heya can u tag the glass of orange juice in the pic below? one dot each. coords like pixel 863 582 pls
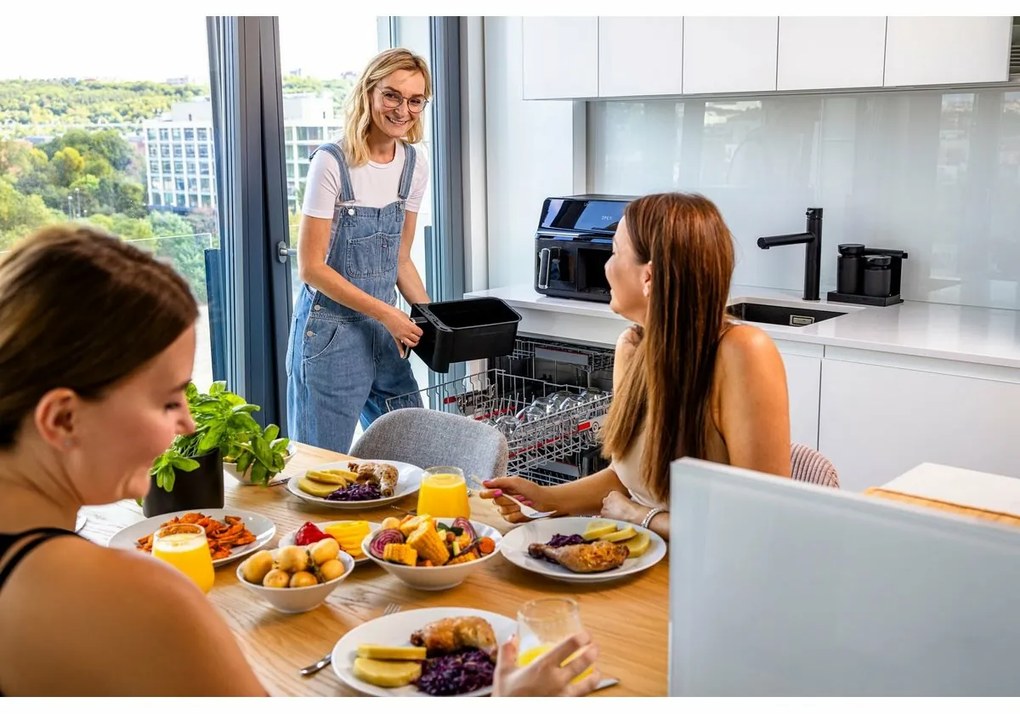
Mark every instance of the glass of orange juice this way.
pixel 183 545
pixel 542 624
pixel 443 493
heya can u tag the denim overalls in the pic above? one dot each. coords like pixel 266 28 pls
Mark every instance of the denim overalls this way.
pixel 341 363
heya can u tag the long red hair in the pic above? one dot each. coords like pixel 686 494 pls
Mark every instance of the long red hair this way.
pixel 667 386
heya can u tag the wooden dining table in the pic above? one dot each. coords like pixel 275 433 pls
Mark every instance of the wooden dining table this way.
pixel 628 617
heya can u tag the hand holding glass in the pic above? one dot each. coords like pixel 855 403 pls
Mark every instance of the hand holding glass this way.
pixel 542 624
pixel 184 546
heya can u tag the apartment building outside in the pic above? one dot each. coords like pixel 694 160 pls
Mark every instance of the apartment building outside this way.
pixel 180 157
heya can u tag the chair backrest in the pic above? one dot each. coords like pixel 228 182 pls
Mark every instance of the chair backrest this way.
pixel 780 588
pixel 808 465
pixel 426 437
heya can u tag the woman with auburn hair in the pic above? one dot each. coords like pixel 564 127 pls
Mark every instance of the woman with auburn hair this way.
pixel 97 344
pixel 686 380
pixel 348 338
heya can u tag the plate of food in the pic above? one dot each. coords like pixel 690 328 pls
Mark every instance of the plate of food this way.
pixel 356 484
pixel 583 550
pixel 231 532
pixel 435 651
pixel 349 534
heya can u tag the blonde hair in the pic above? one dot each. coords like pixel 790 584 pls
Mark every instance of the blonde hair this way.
pixel 359 103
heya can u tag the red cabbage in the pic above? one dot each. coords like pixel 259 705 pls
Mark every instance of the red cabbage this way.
pixel 379 541
pixel 458 673
pixel 559 540
pixel 356 492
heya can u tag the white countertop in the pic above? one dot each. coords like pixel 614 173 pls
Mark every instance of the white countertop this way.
pixel 968 334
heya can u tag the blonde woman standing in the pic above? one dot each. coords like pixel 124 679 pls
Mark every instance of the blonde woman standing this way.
pixel 348 338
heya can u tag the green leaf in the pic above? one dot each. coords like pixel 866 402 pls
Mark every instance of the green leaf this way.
pixel 271 432
pixel 259 474
pixel 244 461
pixel 262 451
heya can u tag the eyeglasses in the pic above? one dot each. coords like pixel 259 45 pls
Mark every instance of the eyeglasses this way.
pixel 392 100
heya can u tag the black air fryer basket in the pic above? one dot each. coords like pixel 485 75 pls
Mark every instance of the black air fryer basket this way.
pixel 462 330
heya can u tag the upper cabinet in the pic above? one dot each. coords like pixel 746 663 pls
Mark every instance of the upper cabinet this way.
pixel 591 57
pixel 947 50
pixel 640 56
pixel 730 54
pixel 830 52
pixel 561 57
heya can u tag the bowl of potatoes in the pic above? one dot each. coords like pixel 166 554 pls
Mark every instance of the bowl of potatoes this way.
pixel 296 578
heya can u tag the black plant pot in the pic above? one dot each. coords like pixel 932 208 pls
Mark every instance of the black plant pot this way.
pixel 193 490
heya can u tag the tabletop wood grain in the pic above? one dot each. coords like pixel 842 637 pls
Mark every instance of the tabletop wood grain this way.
pixel 628 618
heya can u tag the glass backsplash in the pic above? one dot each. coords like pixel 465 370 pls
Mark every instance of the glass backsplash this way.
pixel 932 172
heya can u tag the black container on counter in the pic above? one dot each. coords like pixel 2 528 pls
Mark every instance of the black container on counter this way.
pixel 849 267
pixel 878 276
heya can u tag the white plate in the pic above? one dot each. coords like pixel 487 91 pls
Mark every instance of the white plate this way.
pixel 289 537
pixel 261 527
pixel 408 482
pixel 516 542
pixel 396 629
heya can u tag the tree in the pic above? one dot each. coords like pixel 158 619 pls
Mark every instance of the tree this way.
pixel 66 165
pixel 184 248
pixel 20 214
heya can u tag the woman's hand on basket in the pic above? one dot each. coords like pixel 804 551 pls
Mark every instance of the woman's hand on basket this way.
pixel 528 492
pixel 404 331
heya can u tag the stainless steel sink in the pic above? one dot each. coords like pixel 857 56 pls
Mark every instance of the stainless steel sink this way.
pixel 775 314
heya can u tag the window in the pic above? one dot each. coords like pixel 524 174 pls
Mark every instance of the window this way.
pixel 117 176
pixel 179 167
pixel 203 134
pixel 203 151
pixel 189 151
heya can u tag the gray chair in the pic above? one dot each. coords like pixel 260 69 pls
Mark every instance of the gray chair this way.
pixel 808 465
pixel 426 437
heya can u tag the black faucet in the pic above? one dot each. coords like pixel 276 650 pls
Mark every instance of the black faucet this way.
pixel 812 239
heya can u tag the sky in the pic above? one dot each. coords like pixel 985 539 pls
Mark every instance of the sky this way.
pixel 148 42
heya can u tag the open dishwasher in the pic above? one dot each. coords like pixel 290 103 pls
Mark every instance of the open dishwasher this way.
pixel 549 400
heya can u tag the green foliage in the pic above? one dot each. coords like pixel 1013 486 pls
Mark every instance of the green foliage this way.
pixel 20 215
pixel 223 421
pixel 69 102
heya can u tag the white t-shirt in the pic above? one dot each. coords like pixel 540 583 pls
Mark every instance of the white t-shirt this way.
pixel 375 185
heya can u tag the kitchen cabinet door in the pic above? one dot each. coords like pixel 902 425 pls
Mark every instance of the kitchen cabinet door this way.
pixel 730 54
pixel 640 56
pixel 877 422
pixel 830 52
pixel 803 364
pixel 560 57
pixel 947 50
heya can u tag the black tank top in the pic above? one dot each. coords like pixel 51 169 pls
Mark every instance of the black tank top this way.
pixel 33 537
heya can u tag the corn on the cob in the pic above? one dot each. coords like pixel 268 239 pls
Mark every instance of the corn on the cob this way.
pixel 464 558
pixel 427 541
pixel 400 553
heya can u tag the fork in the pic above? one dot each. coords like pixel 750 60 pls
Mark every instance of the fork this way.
pixel 390 609
pixel 526 511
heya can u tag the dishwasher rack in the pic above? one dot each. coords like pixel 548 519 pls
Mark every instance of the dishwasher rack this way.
pixel 538 437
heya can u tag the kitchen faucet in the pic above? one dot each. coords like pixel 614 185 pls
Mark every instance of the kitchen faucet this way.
pixel 812 239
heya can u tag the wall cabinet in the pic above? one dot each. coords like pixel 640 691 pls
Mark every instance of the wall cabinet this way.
pixel 879 421
pixel 730 54
pixel 640 56
pixel 947 50
pixel 589 57
pixel 560 57
pixel 830 52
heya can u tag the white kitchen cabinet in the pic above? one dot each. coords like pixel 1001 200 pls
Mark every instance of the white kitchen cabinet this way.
pixel 830 52
pixel 947 50
pixel 730 54
pixel 560 57
pixel 803 364
pixel 878 421
pixel 640 56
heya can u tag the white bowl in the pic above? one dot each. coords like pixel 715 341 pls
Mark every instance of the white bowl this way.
pixel 292 600
pixel 245 478
pixel 441 577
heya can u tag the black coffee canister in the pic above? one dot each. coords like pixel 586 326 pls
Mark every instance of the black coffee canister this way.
pixel 849 266
pixel 878 276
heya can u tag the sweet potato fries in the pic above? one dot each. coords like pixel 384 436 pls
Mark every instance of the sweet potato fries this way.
pixel 221 536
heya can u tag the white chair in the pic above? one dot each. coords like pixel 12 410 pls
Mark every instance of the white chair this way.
pixel 809 466
pixel 426 437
